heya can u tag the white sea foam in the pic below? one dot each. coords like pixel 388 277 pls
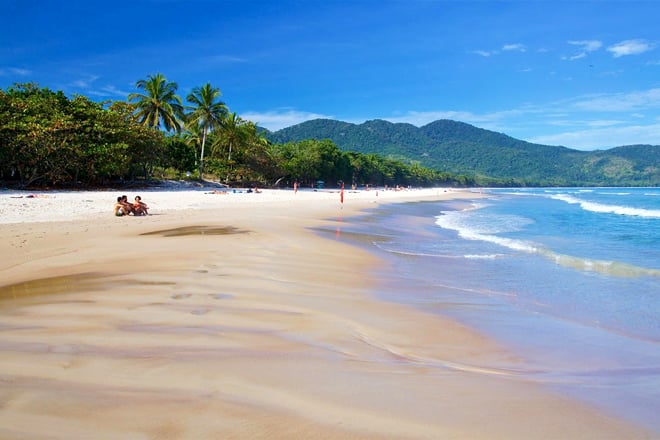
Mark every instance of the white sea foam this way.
pixel 611 268
pixel 473 226
pixel 608 209
pixel 482 256
pixel 485 227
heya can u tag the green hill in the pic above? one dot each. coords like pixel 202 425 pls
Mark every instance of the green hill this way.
pixel 461 148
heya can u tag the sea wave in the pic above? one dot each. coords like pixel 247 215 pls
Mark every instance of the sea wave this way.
pixel 482 256
pixel 415 253
pixel 608 209
pixel 605 267
pixel 466 229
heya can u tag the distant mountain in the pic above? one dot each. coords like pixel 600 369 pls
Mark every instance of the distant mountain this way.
pixel 462 148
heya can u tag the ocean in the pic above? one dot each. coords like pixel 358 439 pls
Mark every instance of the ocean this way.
pixel 567 278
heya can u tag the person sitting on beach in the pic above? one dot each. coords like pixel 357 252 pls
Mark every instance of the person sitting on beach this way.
pixel 128 208
pixel 139 207
pixel 119 208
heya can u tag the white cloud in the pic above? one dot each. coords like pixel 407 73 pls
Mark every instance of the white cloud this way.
pixel 84 83
pixel 507 48
pixel 224 59
pixel 575 57
pixel 630 47
pixel 419 119
pixel 514 47
pixel 487 120
pixel 277 119
pixel 108 91
pixel 483 53
pixel 14 71
pixel 621 102
pixel 599 138
pixel 585 47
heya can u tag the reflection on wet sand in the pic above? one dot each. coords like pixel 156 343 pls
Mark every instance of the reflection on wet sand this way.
pixel 53 285
pixel 74 283
pixel 197 230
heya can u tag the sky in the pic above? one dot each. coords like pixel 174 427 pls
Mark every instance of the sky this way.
pixel 581 74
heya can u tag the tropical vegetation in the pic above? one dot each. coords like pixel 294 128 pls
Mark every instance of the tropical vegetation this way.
pixel 50 140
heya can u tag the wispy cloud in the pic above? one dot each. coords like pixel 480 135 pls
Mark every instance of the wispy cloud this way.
pixel 108 91
pixel 84 83
pixel 584 46
pixel 603 137
pixel 14 71
pixel 224 59
pixel 630 47
pixel 88 85
pixel 516 47
pixel 484 53
pixel 620 102
pixel 486 120
pixel 277 119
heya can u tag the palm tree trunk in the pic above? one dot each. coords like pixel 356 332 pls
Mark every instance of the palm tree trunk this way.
pixel 229 160
pixel 201 156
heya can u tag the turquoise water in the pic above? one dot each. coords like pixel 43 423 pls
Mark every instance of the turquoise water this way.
pixel 568 279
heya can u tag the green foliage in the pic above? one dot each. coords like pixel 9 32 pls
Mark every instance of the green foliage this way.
pixel 310 160
pixel 181 156
pixel 206 113
pixel 48 139
pixel 491 158
pixel 158 103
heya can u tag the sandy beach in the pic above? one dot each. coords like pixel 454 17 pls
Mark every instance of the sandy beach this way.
pixel 227 316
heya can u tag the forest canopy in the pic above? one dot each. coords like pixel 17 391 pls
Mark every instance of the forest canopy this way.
pixel 50 140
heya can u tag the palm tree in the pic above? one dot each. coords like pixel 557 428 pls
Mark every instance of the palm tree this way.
pixel 233 132
pixel 207 112
pixel 159 103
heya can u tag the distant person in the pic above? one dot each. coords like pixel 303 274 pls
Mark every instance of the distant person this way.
pixel 139 207
pixel 119 209
pixel 128 208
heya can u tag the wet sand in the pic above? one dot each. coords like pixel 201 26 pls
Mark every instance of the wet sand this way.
pixel 240 322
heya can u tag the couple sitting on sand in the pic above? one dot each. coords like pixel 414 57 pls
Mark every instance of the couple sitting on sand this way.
pixel 123 207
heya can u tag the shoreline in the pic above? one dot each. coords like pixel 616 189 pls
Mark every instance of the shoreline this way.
pixel 263 331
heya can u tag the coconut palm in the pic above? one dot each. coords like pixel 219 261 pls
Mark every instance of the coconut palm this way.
pixel 158 104
pixel 206 112
pixel 233 131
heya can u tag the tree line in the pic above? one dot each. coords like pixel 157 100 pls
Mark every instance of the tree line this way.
pixel 50 140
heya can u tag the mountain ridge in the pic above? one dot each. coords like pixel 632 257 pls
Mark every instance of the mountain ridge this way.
pixel 461 148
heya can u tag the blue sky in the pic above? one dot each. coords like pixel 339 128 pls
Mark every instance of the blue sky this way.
pixel 580 74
